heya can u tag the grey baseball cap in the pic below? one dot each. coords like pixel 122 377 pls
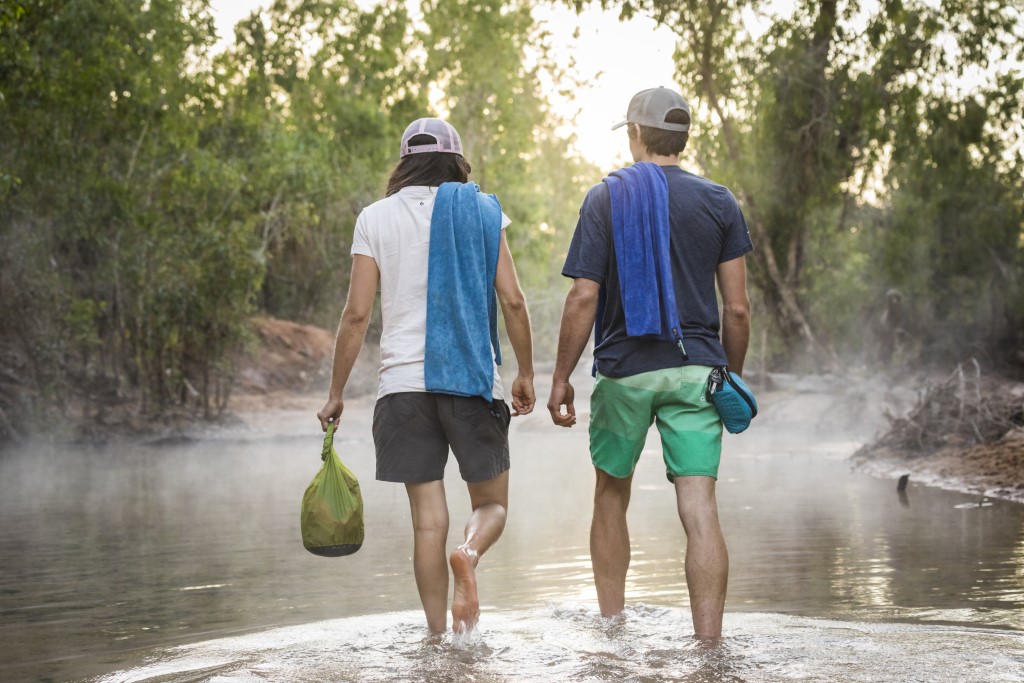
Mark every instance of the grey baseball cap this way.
pixel 446 138
pixel 650 107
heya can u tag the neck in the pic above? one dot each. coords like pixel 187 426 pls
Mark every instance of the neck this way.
pixel 659 159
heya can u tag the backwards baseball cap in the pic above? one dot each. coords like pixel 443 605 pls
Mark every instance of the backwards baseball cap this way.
pixel 650 108
pixel 446 138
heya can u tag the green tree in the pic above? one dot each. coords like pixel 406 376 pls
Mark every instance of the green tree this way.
pixel 803 122
pixel 124 278
pixel 952 241
pixel 315 128
pixel 488 60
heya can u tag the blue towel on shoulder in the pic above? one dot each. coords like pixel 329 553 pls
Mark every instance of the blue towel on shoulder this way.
pixel 462 309
pixel 640 234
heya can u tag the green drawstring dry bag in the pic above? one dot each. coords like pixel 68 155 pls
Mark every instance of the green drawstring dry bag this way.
pixel 332 507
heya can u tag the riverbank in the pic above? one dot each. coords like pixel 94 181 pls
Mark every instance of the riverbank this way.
pixel 899 428
pixel 965 432
pixel 291 362
pixel 989 470
pixel 289 369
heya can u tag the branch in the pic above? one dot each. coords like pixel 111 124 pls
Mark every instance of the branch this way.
pixel 135 153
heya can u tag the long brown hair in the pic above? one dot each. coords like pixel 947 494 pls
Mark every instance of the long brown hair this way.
pixel 428 168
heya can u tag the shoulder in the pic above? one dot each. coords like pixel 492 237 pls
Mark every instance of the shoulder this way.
pixel 702 184
pixel 490 209
pixel 718 190
pixel 597 197
pixel 492 205
pixel 381 207
pixel 714 194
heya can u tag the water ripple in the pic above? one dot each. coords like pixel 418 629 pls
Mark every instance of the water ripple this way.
pixel 573 643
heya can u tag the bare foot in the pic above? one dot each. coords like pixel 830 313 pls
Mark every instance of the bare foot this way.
pixel 465 604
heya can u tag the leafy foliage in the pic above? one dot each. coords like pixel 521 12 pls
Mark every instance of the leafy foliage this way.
pixel 875 148
pixel 155 193
pixel 487 58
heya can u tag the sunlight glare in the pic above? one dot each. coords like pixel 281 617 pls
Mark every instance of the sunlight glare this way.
pixel 641 57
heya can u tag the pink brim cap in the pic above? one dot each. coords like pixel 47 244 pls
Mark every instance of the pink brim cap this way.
pixel 446 138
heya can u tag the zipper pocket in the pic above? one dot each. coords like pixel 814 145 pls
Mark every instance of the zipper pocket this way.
pixel 742 394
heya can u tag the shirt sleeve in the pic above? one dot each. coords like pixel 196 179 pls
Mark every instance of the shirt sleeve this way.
pixel 361 238
pixel 505 221
pixel 737 235
pixel 590 247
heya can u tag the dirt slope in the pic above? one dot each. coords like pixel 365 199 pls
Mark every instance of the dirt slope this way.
pixel 291 362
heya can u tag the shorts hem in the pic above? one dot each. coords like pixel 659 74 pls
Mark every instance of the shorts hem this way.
pixel 400 478
pixel 713 475
pixel 497 474
pixel 612 474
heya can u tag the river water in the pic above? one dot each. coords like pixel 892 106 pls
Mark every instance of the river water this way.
pixel 182 561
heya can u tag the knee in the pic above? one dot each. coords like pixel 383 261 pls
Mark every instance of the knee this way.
pixel 699 518
pixel 697 504
pixel 434 525
pixel 612 492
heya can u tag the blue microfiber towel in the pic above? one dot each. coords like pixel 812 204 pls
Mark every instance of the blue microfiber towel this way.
pixel 640 233
pixel 465 232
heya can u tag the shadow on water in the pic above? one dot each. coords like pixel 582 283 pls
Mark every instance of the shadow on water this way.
pixel 184 562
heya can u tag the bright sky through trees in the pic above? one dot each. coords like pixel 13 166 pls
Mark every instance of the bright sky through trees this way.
pixel 613 60
pixel 153 202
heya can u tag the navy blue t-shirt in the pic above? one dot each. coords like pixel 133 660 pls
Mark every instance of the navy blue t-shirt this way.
pixel 706 227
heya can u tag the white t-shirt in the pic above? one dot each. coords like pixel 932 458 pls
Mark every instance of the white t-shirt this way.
pixel 395 232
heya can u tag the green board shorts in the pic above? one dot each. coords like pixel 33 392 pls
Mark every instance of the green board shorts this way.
pixel 622 410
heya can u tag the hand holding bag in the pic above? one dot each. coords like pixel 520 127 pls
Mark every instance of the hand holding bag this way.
pixel 332 508
pixel 735 402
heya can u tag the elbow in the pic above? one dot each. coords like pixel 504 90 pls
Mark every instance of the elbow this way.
pixel 583 297
pixel 737 311
pixel 355 317
pixel 514 303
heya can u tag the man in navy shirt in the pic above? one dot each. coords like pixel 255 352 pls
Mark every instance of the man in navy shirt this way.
pixel 645 379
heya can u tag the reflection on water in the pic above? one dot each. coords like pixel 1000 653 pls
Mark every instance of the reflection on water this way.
pixel 109 556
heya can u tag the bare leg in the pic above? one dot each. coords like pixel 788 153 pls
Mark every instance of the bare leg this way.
pixel 430 527
pixel 609 541
pixel 490 504
pixel 707 558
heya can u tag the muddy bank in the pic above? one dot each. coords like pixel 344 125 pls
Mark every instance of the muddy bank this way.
pixel 289 363
pixel 964 432
pixel 283 366
pixel 990 470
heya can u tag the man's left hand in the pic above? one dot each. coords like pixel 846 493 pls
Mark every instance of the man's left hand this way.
pixel 562 394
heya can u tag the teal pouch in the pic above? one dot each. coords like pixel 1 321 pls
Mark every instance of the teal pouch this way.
pixel 732 398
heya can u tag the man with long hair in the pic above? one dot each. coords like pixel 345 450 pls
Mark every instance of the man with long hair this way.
pixel 436 246
pixel 650 244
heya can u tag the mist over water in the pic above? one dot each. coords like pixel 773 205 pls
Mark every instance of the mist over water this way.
pixel 183 561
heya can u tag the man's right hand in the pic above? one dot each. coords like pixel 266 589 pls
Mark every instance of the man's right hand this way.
pixel 562 394
pixel 331 411
pixel 523 396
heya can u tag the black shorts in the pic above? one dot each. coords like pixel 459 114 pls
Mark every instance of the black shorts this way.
pixel 413 430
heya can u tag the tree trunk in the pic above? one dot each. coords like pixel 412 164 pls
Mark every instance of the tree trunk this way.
pixel 780 289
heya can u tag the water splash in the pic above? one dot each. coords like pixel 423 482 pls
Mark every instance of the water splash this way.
pixel 573 643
